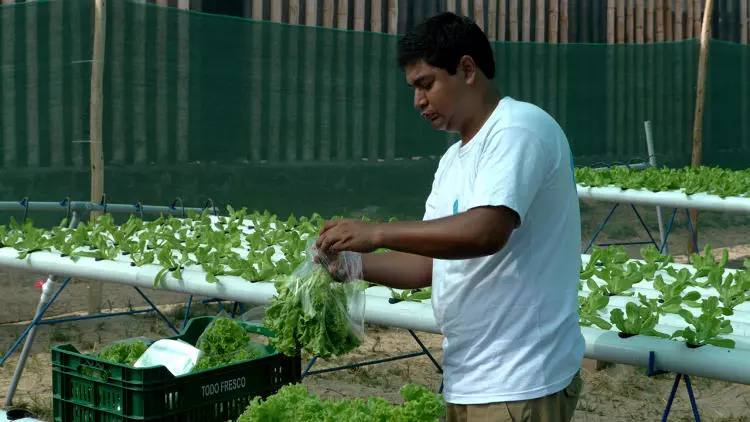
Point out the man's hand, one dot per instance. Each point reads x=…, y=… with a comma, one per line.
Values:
x=343, y=267
x=347, y=235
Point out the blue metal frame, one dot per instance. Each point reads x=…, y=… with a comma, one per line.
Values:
x=691, y=395
x=423, y=352
x=37, y=321
x=176, y=207
x=645, y=227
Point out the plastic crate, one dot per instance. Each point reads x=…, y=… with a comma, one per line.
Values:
x=87, y=389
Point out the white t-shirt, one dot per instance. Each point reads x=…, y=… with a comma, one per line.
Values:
x=510, y=319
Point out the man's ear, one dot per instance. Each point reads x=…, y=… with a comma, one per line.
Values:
x=468, y=69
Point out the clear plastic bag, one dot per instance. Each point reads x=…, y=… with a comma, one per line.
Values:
x=179, y=357
x=316, y=312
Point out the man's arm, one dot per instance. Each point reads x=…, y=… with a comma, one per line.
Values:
x=397, y=270
x=474, y=233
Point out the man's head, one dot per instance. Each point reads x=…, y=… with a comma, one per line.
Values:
x=449, y=63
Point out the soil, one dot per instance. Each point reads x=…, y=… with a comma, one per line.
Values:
x=614, y=393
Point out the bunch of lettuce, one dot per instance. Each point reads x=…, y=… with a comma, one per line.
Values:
x=310, y=312
x=225, y=341
x=294, y=403
x=124, y=352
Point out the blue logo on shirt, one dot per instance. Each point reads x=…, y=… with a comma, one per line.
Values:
x=455, y=207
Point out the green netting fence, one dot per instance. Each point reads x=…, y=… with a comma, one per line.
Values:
x=302, y=119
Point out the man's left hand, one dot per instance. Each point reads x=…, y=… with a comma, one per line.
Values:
x=347, y=235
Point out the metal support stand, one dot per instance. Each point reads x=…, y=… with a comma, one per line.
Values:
x=423, y=352
x=651, y=240
x=50, y=286
x=652, y=371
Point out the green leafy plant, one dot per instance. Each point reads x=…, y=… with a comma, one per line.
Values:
x=708, y=326
x=589, y=307
x=638, y=318
x=295, y=403
x=689, y=180
x=671, y=296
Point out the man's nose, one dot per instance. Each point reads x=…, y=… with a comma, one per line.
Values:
x=420, y=100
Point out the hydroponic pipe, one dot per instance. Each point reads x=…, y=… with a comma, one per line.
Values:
x=669, y=355
x=672, y=199
x=83, y=206
x=708, y=361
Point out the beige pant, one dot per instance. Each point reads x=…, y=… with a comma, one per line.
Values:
x=557, y=407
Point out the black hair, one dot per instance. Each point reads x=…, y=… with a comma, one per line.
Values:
x=442, y=40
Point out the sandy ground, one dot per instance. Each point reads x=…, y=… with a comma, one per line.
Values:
x=615, y=393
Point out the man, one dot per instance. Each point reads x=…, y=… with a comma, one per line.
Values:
x=500, y=238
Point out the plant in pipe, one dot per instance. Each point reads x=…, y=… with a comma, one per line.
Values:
x=638, y=318
x=671, y=297
x=705, y=328
x=690, y=180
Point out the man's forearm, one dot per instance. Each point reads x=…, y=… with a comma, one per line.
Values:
x=476, y=233
x=397, y=270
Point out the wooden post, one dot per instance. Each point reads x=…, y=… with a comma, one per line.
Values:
x=95, y=123
x=699, y=102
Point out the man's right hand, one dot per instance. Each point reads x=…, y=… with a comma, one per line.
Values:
x=343, y=266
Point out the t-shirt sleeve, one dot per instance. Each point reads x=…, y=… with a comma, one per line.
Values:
x=430, y=206
x=510, y=171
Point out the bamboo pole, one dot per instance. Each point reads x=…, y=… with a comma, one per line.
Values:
x=540, y=21
x=659, y=21
x=620, y=22
x=502, y=17
x=630, y=21
x=610, y=21
x=391, y=88
x=564, y=21
x=375, y=112
x=639, y=21
x=513, y=23
x=650, y=22
x=668, y=20
x=479, y=15
x=696, y=17
x=744, y=21
x=95, y=123
x=311, y=79
x=492, y=20
x=699, y=103
x=552, y=28
x=526, y=29
x=291, y=137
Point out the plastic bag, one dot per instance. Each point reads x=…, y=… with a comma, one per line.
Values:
x=178, y=356
x=317, y=313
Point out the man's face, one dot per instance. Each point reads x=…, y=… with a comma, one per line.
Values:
x=435, y=94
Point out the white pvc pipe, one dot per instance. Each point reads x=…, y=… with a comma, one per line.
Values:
x=708, y=361
x=671, y=199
